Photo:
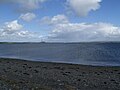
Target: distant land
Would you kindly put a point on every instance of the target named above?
(58, 42)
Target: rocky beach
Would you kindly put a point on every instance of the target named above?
(28, 75)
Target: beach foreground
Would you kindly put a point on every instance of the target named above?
(27, 75)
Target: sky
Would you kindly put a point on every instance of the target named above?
(59, 20)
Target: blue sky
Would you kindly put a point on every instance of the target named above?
(59, 20)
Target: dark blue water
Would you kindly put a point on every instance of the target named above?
(78, 53)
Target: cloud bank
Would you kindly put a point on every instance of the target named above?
(77, 32)
(13, 31)
(80, 32)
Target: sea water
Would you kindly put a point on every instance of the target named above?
(101, 54)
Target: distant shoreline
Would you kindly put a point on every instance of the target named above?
(59, 42)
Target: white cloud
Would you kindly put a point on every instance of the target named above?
(77, 32)
(85, 32)
(54, 20)
(83, 7)
(28, 17)
(13, 31)
(12, 26)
